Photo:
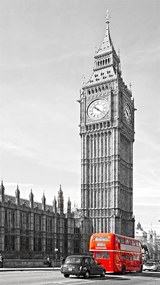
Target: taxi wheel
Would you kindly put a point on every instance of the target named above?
(66, 275)
(87, 275)
(141, 269)
(103, 274)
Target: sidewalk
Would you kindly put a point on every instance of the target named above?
(30, 269)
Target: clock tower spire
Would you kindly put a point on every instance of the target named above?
(107, 136)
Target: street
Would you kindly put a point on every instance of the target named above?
(44, 277)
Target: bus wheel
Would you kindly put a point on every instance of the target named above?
(123, 270)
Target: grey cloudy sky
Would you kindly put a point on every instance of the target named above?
(46, 46)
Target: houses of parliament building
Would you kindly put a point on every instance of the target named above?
(28, 228)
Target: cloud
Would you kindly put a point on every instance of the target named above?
(17, 150)
(142, 57)
(42, 61)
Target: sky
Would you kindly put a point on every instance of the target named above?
(46, 47)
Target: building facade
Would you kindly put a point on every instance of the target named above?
(34, 230)
(150, 243)
(107, 136)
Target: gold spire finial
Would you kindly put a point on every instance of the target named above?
(130, 85)
(107, 17)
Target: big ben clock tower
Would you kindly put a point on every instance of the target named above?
(107, 136)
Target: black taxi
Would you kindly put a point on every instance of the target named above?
(81, 265)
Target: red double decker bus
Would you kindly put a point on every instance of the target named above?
(116, 253)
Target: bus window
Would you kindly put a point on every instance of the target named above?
(122, 240)
(105, 255)
(101, 238)
(118, 239)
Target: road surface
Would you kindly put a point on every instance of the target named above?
(52, 277)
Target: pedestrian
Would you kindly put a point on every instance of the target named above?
(62, 260)
(1, 260)
(49, 261)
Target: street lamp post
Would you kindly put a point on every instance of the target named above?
(56, 251)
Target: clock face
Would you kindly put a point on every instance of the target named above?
(98, 109)
(127, 113)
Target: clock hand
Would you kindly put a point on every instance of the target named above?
(99, 110)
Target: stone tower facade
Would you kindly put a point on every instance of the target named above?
(107, 136)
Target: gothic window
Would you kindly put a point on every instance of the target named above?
(91, 147)
(49, 245)
(48, 224)
(98, 146)
(101, 145)
(94, 146)
(76, 246)
(9, 242)
(95, 198)
(88, 147)
(102, 196)
(76, 230)
(102, 178)
(91, 198)
(37, 244)
(6, 219)
(9, 219)
(24, 220)
(37, 223)
(12, 219)
(24, 243)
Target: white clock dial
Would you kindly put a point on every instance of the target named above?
(98, 109)
(127, 113)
